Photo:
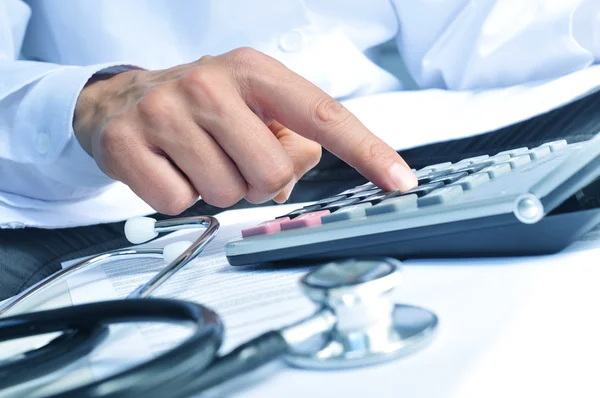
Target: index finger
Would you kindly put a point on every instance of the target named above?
(310, 112)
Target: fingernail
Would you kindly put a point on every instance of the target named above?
(402, 177)
(285, 193)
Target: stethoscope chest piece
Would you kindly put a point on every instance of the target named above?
(369, 327)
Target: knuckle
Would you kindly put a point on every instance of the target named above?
(277, 177)
(225, 197)
(115, 140)
(158, 107)
(202, 85)
(245, 56)
(176, 204)
(329, 112)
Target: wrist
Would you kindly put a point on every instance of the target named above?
(101, 98)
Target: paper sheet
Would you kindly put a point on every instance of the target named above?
(508, 327)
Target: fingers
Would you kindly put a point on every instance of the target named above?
(304, 108)
(256, 152)
(210, 170)
(304, 153)
(125, 157)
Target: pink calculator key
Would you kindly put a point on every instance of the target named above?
(305, 220)
(267, 227)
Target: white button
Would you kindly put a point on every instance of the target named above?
(42, 143)
(292, 41)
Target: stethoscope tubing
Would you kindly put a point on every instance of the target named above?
(153, 378)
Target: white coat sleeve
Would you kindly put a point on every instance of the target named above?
(40, 157)
(472, 45)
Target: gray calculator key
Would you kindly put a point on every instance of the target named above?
(472, 181)
(556, 145)
(402, 203)
(441, 195)
(435, 167)
(433, 175)
(347, 213)
(514, 152)
(475, 159)
(539, 152)
(450, 178)
(519, 161)
(500, 158)
(497, 170)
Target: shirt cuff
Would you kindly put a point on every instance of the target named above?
(46, 118)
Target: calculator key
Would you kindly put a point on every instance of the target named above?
(514, 152)
(519, 161)
(472, 181)
(364, 194)
(304, 220)
(433, 175)
(347, 213)
(340, 203)
(474, 168)
(267, 227)
(475, 159)
(331, 199)
(369, 185)
(497, 170)
(379, 197)
(352, 191)
(555, 145)
(298, 212)
(440, 196)
(539, 152)
(436, 167)
(400, 203)
(425, 189)
(500, 158)
(450, 178)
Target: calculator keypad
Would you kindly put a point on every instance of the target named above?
(437, 184)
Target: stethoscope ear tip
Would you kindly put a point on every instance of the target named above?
(140, 229)
(174, 250)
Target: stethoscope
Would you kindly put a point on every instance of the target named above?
(356, 323)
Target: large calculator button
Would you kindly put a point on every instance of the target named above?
(304, 220)
(555, 145)
(519, 161)
(497, 170)
(539, 152)
(425, 189)
(267, 227)
(472, 181)
(347, 213)
(441, 195)
(340, 203)
(401, 203)
(514, 152)
(450, 178)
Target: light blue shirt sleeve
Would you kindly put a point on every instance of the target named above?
(37, 102)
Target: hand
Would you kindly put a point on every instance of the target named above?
(233, 126)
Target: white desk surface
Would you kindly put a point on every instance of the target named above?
(524, 327)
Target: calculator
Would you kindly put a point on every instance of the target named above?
(523, 201)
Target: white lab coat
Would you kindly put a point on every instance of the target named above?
(48, 50)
